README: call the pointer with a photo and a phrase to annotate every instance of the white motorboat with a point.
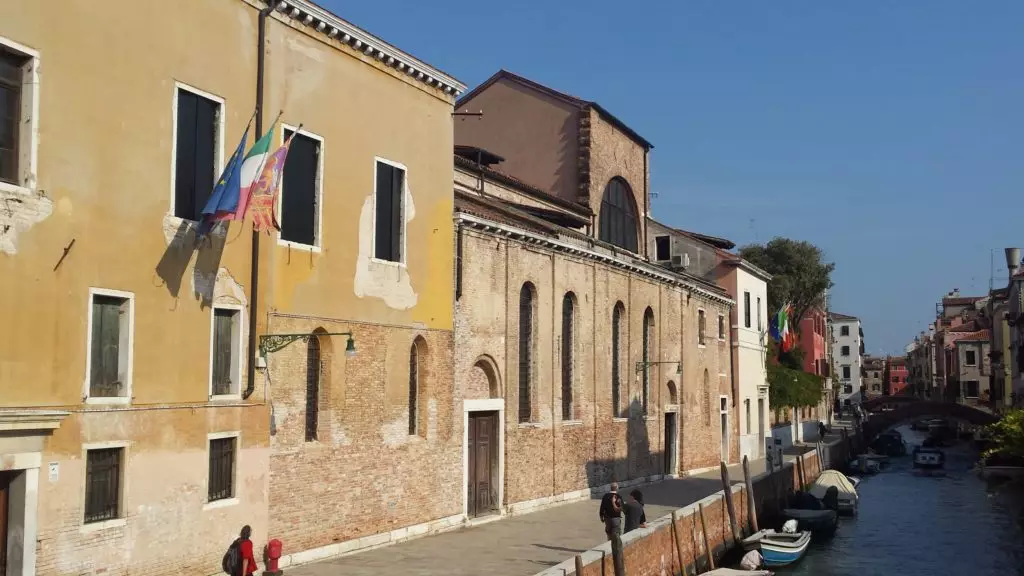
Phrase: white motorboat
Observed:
(848, 497)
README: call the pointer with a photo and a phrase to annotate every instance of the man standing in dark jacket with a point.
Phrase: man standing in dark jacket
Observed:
(611, 511)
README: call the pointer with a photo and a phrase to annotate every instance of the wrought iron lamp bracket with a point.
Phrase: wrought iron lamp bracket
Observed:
(274, 342)
(640, 366)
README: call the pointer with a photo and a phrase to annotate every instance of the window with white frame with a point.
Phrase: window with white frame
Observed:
(221, 479)
(109, 355)
(389, 213)
(301, 189)
(970, 358)
(19, 108)
(225, 352)
(721, 327)
(198, 142)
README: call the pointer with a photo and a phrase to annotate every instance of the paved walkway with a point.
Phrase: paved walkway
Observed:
(520, 545)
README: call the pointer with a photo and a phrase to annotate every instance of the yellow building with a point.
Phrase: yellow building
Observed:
(133, 434)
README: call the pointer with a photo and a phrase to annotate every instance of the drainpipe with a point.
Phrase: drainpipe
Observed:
(254, 263)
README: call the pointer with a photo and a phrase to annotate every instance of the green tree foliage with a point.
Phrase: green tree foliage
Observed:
(789, 388)
(799, 274)
(1007, 435)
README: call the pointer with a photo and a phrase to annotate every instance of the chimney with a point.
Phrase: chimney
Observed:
(1012, 261)
(955, 293)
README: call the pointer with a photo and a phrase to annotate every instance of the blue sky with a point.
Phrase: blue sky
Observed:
(883, 132)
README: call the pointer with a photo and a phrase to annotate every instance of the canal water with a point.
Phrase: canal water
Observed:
(934, 526)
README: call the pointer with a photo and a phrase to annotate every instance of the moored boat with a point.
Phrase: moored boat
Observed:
(848, 498)
(778, 548)
(1001, 472)
(818, 522)
(733, 572)
(929, 458)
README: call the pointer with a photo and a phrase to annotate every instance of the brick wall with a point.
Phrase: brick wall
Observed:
(365, 473)
(549, 456)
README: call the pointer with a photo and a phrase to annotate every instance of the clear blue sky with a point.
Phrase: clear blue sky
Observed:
(887, 133)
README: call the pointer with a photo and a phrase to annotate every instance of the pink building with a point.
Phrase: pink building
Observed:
(897, 375)
(812, 342)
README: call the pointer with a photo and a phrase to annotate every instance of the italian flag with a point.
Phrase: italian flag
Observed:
(252, 166)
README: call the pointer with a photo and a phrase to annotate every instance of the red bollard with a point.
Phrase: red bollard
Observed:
(273, 555)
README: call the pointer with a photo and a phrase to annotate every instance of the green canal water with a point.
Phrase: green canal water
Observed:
(910, 525)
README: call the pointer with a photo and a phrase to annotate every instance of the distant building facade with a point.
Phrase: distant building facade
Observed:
(847, 350)
(896, 375)
(873, 374)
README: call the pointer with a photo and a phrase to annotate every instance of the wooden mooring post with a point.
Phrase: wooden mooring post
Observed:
(618, 562)
(707, 542)
(727, 490)
(751, 505)
(678, 543)
(579, 565)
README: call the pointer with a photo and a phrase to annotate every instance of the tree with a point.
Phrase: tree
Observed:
(1007, 436)
(799, 274)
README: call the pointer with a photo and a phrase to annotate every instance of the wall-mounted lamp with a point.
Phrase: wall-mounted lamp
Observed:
(641, 365)
(274, 342)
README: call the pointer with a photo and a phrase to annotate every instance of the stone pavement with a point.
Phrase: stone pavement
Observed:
(519, 545)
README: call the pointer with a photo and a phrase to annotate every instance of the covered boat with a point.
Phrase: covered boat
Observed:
(929, 458)
(818, 522)
(847, 492)
(778, 548)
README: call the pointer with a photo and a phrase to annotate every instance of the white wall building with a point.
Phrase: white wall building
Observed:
(847, 347)
(750, 337)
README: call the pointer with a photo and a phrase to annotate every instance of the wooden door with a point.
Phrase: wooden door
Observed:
(482, 488)
(5, 491)
(670, 443)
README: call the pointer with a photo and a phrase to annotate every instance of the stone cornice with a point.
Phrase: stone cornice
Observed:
(28, 420)
(331, 26)
(644, 269)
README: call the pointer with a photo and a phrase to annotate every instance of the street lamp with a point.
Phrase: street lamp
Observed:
(274, 342)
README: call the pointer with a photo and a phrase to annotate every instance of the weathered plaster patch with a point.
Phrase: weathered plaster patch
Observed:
(18, 213)
(338, 435)
(388, 281)
(222, 286)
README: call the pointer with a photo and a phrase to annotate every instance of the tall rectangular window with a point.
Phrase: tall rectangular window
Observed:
(300, 190)
(226, 364)
(662, 248)
(701, 327)
(568, 342)
(222, 468)
(846, 372)
(760, 325)
(746, 409)
(844, 330)
(969, 358)
(746, 309)
(109, 345)
(388, 218)
(11, 81)
(721, 327)
(103, 484)
(971, 389)
(195, 153)
(526, 312)
(845, 351)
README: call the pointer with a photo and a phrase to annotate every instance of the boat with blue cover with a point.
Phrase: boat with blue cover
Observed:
(778, 548)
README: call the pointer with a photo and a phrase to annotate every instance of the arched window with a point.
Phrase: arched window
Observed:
(673, 396)
(618, 223)
(707, 398)
(312, 387)
(568, 342)
(617, 314)
(414, 387)
(526, 316)
(647, 337)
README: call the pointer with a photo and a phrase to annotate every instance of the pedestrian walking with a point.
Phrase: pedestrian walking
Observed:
(821, 430)
(634, 512)
(611, 511)
(239, 559)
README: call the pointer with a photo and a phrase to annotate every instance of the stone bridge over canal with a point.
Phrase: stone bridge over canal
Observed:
(908, 409)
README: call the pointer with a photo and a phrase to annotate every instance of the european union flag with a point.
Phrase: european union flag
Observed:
(224, 199)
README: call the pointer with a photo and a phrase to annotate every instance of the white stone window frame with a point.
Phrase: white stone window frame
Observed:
(233, 500)
(318, 242)
(218, 162)
(722, 328)
(238, 336)
(28, 131)
(404, 259)
(128, 339)
(122, 517)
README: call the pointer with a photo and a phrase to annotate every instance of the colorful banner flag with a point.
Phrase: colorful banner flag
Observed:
(251, 168)
(780, 328)
(224, 199)
(264, 191)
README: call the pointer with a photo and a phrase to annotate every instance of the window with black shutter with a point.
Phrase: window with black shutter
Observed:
(103, 484)
(618, 219)
(11, 80)
(526, 313)
(746, 309)
(195, 154)
(388, 218)
(225, 344)
(108, 347)
(300, 198)
(222, 468)
(312, 387)
(568, 342)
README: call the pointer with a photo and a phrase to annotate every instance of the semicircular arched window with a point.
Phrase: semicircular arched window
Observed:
(618, 220)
